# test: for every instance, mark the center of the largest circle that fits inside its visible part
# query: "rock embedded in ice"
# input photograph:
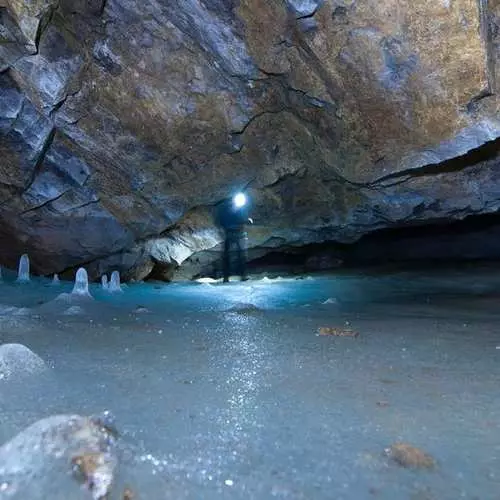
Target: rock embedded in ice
(114, 284)
(81, 288)
(409, 456)
(104, 282)
(23, 273)
(54, 457)
(331, 300)
(141, 309)
(244, 308)
(16, 360)
(74, 311)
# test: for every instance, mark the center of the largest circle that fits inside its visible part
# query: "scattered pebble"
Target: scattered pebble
(337, 332)
(408, 456)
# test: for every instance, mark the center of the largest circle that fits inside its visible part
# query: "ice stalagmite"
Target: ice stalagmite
(23, 274)
(56, 280)
(114, 284)
(104, 282)
(81, 287)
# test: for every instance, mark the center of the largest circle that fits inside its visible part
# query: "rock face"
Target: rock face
(123, 122)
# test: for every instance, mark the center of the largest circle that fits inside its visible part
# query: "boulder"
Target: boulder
(18, 362)
(60, 457)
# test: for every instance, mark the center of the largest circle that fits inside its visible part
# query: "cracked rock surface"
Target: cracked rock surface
(123, 122)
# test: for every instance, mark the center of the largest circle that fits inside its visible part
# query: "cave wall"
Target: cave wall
(122, 122)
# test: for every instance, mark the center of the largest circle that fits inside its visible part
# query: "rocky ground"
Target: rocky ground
(254, 390)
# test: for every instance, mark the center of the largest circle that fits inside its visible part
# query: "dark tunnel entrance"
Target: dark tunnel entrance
(475, 238)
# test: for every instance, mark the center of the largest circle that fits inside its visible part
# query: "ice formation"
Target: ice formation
(1, 276)
(56, 280)
(81, 287)
(104, 282)
(114, 284)
(23, 274)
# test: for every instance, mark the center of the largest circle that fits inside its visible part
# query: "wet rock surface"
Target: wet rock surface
(120, 119)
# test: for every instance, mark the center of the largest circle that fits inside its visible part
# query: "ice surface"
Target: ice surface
(104, 282)
(225, 391)
(114, 283)
(23, 274)
(81, 288)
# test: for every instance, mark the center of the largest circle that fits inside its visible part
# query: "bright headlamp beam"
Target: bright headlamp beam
(239, 200)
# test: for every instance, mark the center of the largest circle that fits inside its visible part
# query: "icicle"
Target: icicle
(81, 287)
(104, 282)
(23, 274)
(114, 284)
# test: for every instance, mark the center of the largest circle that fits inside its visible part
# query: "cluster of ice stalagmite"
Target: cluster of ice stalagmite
(23, 273)
(81, 287)
(113, 286)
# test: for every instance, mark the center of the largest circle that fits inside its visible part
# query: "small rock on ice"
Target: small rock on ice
(331, 300)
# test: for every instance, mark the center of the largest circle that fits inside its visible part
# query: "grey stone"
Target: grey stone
(37, 463)
(18, 362)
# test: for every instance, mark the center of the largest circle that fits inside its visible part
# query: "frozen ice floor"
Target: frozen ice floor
(226, 391)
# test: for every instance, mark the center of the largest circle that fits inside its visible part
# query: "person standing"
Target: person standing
(233, 217)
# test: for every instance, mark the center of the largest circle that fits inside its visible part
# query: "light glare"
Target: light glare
(239, 200)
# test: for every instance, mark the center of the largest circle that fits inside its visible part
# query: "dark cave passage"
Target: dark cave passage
(473, 239)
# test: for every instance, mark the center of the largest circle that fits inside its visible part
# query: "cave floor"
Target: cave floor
(228, 391)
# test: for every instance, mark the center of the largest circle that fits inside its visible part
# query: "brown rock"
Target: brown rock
(128, 494)
(407, 455)
(95, 470)
(337, 331)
